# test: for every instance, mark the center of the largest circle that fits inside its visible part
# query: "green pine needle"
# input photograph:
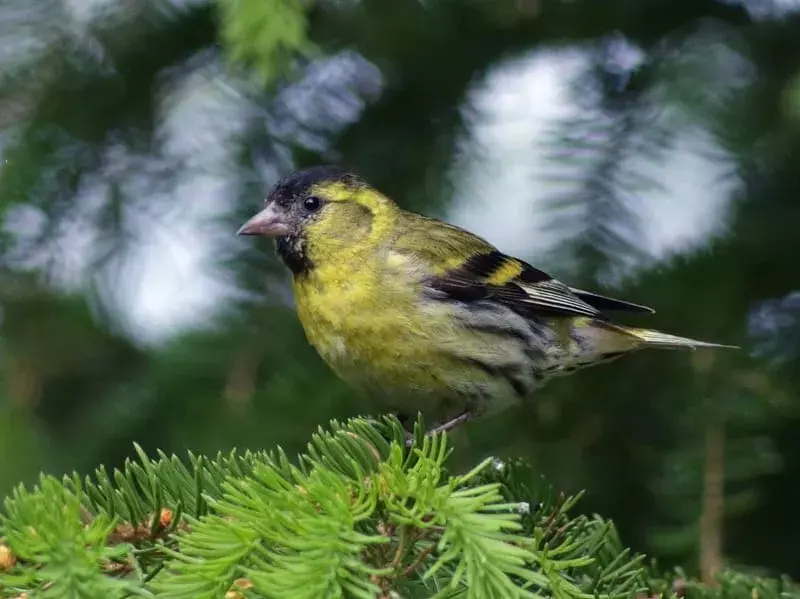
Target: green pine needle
(359, 514)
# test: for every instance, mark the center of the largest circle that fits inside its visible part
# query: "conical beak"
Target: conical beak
(270, 222)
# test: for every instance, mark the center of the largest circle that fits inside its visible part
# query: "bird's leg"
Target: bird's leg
(451, 424)
(442, 428)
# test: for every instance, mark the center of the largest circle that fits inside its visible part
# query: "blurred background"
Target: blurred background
(646, 148)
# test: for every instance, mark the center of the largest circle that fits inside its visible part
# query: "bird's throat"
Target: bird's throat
(292, 251)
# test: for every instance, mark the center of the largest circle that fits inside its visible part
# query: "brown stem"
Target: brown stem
(713, 503)
(418, 562)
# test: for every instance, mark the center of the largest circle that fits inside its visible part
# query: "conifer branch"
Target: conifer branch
(358, 515)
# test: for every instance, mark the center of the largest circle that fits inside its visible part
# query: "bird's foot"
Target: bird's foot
(442, 428)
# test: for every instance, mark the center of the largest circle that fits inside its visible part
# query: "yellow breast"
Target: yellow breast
(366, 323)
(343, 313)
(369, 323)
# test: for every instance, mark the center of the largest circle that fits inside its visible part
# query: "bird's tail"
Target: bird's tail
(651, 338)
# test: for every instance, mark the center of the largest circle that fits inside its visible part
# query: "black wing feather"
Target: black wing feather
(602, 302)
(529, 292)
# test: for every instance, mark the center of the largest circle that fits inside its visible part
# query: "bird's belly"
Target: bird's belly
(411, 358)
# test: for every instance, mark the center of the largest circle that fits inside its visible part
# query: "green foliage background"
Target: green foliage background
(87, 171)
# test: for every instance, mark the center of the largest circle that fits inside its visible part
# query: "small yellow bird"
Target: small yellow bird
(424, 315)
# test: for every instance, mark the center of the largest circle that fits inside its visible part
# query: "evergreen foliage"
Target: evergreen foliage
(359, 514)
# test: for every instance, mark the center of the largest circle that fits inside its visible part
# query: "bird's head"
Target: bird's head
(318, 214)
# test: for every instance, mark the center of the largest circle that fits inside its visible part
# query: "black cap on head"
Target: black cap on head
(297, 184)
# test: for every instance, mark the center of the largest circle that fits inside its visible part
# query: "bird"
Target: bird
(425, 316)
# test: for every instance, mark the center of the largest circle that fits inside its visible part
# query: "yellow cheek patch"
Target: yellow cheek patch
(507, 271)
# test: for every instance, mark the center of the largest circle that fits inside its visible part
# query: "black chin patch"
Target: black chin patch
(291, 250)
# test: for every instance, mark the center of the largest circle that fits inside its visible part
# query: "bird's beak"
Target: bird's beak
(270, 222)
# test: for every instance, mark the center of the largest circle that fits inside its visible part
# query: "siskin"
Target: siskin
(424, 315)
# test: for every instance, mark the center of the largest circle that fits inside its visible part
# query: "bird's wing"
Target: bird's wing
(494, 276)
(487, 273)
(602, 302)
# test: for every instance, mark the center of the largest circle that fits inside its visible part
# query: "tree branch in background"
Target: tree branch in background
(713, 510)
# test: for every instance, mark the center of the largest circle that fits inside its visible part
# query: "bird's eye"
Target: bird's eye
(312, 203)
